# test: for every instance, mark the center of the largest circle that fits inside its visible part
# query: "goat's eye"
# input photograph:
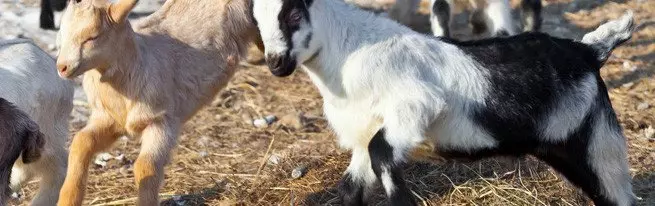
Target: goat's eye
(294, 17)
(91, 38)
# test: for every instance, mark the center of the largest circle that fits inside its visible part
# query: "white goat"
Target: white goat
(29, 80)
(146, 81)
(529, 94)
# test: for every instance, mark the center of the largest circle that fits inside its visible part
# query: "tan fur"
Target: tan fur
(146, 81)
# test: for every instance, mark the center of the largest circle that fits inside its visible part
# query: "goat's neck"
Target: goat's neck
(124, 68)
(343, 29)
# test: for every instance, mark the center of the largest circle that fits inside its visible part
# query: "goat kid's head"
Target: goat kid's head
(286, 31)
(89, 34)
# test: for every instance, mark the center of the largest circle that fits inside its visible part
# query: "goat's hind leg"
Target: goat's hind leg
(157, 140)
(388, 168)
(440, 17)
(595, 159)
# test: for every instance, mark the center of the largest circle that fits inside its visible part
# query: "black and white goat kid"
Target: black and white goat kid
(387, 89)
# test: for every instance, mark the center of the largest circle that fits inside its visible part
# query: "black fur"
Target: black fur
(18, 135)
(46, 19)
(351, 192)
(382, 156)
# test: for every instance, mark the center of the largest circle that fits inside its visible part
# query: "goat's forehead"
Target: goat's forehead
(267, 9)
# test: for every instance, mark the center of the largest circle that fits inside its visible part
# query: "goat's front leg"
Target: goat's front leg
(99, 134)
(157, 140)
(359, 176)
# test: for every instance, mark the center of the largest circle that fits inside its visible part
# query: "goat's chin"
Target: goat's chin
(282, 72)
(285, 70)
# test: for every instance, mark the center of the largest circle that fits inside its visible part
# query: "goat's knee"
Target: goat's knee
(440, 17)
(388, 169)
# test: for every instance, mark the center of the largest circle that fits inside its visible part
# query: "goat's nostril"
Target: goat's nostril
(62, 68)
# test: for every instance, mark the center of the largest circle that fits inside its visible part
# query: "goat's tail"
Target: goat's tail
(609, 35)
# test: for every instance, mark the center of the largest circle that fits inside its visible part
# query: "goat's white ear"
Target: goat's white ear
(119, 10)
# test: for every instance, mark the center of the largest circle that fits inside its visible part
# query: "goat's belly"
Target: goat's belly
(458, 134)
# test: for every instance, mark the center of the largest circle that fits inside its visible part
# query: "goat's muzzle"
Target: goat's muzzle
(281, 65)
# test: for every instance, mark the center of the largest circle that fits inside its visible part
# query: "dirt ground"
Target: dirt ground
(223, 159)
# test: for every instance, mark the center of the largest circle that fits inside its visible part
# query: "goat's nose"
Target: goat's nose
(62, 68)
(274, 61)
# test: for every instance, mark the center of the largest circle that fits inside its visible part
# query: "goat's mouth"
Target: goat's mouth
(281, 66)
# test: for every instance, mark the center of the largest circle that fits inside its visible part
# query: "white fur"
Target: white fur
(387, 182)
(498, 13)
(570, 111)
(28, 79)
(608, 156)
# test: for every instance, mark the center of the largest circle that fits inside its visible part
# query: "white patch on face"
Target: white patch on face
(387, 182)
(570, 111)
(266, 13)
(608, 159)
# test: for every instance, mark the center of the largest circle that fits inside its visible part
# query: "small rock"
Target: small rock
(105, 156)
(120, 157)
(100, 163)
(628, 85)
(260, 123)
(102, 159)
(203, 154)
(299, 172)
(270, 119)
(649, 133)
(643, 106)
(274, 159)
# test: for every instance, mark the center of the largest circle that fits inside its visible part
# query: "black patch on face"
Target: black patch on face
(308, 39)
(292, 14)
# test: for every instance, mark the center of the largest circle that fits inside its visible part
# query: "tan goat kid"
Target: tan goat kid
(146, 81)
